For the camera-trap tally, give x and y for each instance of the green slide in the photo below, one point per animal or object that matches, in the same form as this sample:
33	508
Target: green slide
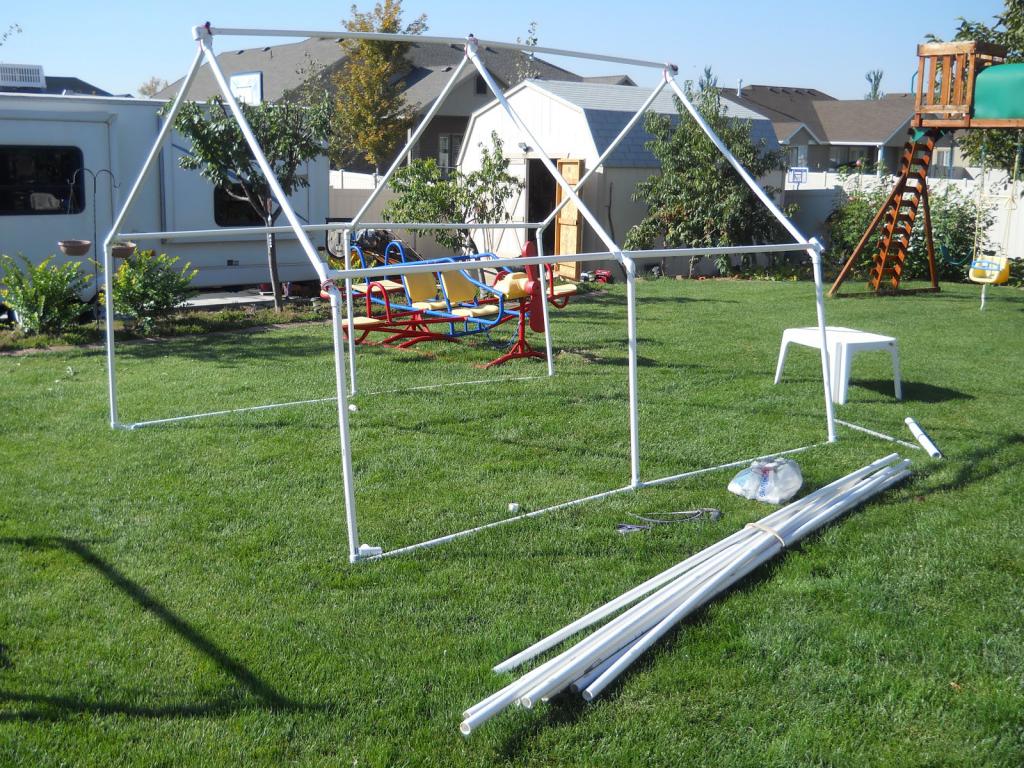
999	93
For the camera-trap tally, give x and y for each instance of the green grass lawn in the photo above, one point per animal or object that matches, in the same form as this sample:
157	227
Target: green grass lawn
181	595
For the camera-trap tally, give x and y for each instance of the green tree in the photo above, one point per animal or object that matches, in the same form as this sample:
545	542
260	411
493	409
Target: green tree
11	30
874	78
290	134
999	145
525	66
956	222
698	199
372	113
478	197
152	87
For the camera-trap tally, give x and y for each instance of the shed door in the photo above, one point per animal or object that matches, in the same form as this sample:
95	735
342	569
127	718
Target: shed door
568	225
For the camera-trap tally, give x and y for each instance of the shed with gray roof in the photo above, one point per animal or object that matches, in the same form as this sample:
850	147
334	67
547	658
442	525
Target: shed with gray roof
577	122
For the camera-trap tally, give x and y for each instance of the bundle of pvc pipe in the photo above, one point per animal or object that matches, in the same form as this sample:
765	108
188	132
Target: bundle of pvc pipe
594	662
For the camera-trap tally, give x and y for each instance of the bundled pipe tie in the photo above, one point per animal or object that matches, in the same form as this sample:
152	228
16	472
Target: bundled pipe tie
661	602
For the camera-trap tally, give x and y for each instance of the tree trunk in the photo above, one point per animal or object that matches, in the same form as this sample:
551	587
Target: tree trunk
275	281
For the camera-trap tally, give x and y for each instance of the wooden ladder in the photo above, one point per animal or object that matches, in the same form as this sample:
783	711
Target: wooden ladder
894	221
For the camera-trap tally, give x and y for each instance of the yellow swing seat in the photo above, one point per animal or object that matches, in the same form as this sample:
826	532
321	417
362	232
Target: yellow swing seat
990	270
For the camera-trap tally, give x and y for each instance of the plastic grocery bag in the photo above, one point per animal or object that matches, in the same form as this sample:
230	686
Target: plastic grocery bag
770	480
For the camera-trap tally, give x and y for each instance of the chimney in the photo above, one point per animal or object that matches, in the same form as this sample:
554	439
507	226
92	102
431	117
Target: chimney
739	87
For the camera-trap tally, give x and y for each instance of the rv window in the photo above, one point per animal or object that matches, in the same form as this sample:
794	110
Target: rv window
229	212
36	180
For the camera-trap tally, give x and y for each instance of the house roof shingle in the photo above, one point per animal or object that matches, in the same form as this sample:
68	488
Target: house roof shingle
284	67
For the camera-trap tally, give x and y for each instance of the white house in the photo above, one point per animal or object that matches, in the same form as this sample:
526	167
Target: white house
575	123
51	148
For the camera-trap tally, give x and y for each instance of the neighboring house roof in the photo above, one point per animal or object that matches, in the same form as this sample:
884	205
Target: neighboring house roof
864	121
827	119
60	86
284	67
610	79
608	108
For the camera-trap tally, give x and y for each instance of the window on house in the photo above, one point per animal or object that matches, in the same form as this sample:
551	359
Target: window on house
37	180
448	146
481	86
229	212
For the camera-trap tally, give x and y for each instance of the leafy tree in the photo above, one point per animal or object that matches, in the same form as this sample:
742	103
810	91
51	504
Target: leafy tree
148	284
45	297
999	144
698	199
874	78
152	87
372	114
955	221
290	134
11	30
478	197
525	66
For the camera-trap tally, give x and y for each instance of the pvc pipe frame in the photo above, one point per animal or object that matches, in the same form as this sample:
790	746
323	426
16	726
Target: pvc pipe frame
203	35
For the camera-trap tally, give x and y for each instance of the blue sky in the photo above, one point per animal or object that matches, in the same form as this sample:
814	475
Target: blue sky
118	45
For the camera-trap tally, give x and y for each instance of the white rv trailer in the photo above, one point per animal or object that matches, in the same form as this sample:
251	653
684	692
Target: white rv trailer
44	139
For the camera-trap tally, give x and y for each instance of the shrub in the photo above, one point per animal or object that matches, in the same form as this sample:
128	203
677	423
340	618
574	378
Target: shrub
955	219
46	298
147	284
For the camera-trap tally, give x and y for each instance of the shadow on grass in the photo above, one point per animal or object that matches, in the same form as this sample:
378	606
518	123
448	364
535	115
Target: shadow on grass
56	707
974	467
915	391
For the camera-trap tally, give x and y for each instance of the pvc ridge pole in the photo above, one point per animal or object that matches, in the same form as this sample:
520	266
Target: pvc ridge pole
350	315
550	359
108	258
814	247
611	148
399	38
261	159
657	581
626	262
409	144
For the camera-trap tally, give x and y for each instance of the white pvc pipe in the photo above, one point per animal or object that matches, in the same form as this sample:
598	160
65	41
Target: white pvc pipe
261	158
740	463
880	435
659	580
608	151
634	395
210	234
348	481
349	315
922	438
247	409
545	314
675	601
495	524
813	247
108	256
484	710
568	192
769	547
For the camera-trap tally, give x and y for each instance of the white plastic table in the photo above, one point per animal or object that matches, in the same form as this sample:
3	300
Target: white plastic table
843	344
